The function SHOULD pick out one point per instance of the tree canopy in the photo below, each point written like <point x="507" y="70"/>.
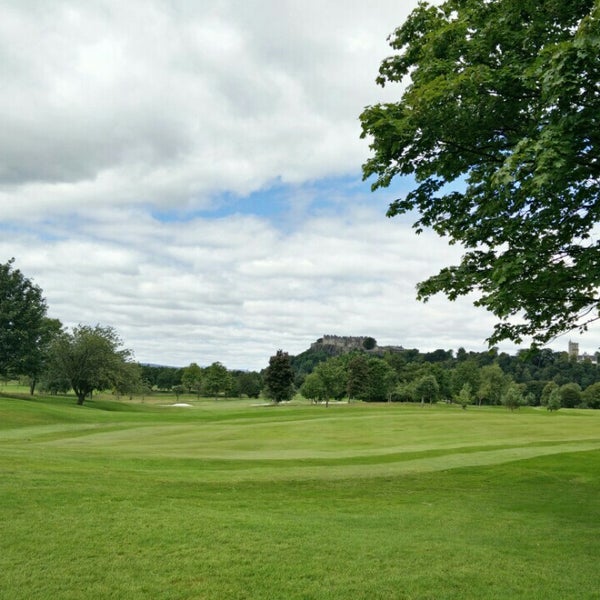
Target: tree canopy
<point x="89" y="358"/>
<point x="23" y="322"/>
<point x="279" y="377"/>
<point x="216" y="379"/>
<point x="499" y="126"/>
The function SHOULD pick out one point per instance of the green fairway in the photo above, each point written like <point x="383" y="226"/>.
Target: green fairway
<point x="230" y="500"/>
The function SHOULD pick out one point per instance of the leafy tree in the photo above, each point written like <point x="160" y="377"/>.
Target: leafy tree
<point x="23" y="323"/>
<point x="467" y="371"/>
<point x="191" y="378"/>
<point x="332" y="374"/>
<point x="369" y="343"/>
<point x="553" y="400"/>
<point x="427" y="389"/>
<point x="461" y="354"/>
<point x="128" y="380"/>
<point x="357" y="375"/>
<point x="570" y="395"/>
<point x="217" y="380"/>
<point x="313" y="388"/>
<point x="443" y="376"/>
<point x="89" y="358"/>
<point x="381" y="381"/>
<point x="279" y="377"/>
<point x="465" y="396"/>
<point x="53" y="382"/>
<point x="500" y="129"/>
<point x="591" y="395"/>
<point x="512" y="398"/>
<point x="493" y="384"/>
<point x="403" y="392"/>
<point x="249" y="383"/>
<point x="163" y="378"/>
<point x="550" y="387"/>
<point x="534" y="389"/>
<point x="438" y="356"/>
<point x="35" y="363"/>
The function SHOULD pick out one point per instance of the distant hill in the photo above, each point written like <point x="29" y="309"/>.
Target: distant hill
<point x="335" y="345"/>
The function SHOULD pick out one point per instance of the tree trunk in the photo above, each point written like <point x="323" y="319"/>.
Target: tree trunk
<point x="81" y="394"/>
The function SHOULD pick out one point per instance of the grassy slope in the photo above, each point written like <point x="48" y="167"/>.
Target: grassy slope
<point x="226" y="500"/>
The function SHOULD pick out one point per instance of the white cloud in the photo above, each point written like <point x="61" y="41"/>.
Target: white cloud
<point x="237" y="289"/>
<point x="165" y="102"/>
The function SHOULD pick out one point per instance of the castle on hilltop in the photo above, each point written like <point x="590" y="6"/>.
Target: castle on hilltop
<point x="345" y="343"/>
<point x="341" y="344"/>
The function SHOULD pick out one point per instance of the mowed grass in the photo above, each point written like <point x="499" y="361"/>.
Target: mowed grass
<point x="230" y="500"/>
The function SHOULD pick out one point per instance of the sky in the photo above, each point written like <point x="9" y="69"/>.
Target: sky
<point x="189" y="173"/>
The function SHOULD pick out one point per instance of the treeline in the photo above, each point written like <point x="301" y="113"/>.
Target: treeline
<point x="42" y="353"/>
<point x="88" y="358"/>
<point x="212" y="381"/>
<point x="533" y="377"/>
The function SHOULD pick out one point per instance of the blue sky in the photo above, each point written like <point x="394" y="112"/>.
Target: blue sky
<point x="190" y="174"/>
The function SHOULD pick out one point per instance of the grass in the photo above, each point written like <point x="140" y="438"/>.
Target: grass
<point x="229" y="500"/>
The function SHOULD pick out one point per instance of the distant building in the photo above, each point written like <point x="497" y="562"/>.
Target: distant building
<point x="574" y="353"/>
<point x="573" y="349"/>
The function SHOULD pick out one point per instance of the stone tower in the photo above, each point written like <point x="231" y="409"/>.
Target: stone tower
<point x="573" y="350"/>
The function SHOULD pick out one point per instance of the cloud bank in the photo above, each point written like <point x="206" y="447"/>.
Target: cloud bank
<point x="189" y="173"/>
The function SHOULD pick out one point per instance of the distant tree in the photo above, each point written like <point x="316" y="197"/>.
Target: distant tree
<point x="128" y="380"/>
<point x="191" y="378"/>
<point x="427" y="389"/>
<point x="465" y="396"/>
<point x="381" y="381"/>
<point x="305" y="362"/>
<point x="90" y="358"/>
<point x="493" y="384"/>
<point x="178" y="390"/>
<point x="23" y="323"/>
<point x="313" y="388"/>
<point x="279" y="377"/>
<point x="547" y="391"/>
<point x="403" y="392"/>
<point x="249" y="384"/>
<point x="535" y="389"/>
<point x="512" y="397"/>
<point x="591" y="395"/>
<point x="168" y="377"/>
<point x="466" y="371"/>
<point x="570" y="395"/>
<point x="357" y="376"/>
<point x="35" y="363"/>
<point x="333" y="376"/>
<point x="438" y="355"/>
<point x="443" y="376"/>
<point x="369" y="343"/>
<point x="488" y="357"/>
<point x="53" y="382"/>
<point x="217" y="380"/>
<point x="553" y="402"/>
